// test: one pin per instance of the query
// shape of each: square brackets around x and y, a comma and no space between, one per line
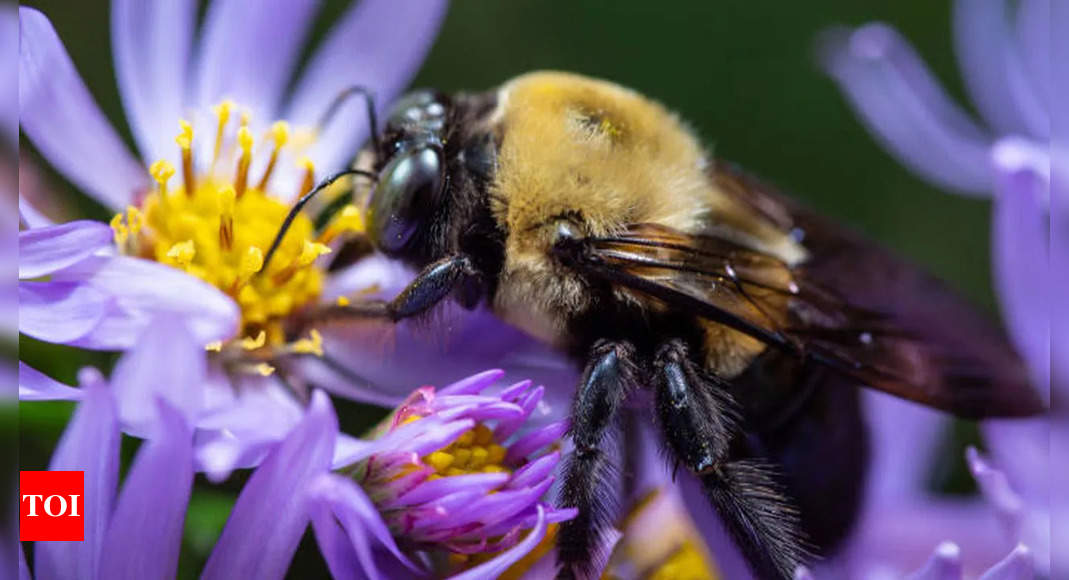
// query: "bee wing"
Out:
[852,307]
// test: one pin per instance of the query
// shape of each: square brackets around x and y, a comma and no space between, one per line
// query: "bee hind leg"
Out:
[699,423]
[588,472]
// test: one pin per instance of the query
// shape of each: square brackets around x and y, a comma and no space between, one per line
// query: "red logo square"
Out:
[51,506]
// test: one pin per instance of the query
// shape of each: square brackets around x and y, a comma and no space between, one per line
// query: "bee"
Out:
[590,217]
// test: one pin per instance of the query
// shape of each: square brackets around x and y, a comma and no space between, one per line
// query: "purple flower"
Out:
[451,481]
[159,482]
[194,245]
[1006,63]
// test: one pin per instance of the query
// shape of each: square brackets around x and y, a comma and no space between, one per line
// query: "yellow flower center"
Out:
[220,223]
[473,452]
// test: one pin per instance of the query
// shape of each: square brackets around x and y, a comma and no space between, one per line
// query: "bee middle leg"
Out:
[700,424]
[609,375]
[432,285]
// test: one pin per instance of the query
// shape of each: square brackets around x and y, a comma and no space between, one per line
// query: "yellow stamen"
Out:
[119,231]
[222,111]
[215,346]
[162,171]
[309,176]
[342,301]
[311,345]
[251,262]
[227,198]
[264,369]
[280,132]
[349,219]
[310,252]
[182,253]
[241,180]
[134,219]
[185,142]
[254,343]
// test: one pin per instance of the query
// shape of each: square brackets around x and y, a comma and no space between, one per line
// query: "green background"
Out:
[743,73]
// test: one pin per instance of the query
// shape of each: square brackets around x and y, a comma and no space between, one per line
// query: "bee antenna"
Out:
[297,207]
[369,103]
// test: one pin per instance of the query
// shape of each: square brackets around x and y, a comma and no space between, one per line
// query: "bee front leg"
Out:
[588,471]
[699,422]
[435,283]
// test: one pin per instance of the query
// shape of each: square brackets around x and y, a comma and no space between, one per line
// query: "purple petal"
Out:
[473,384]
[1033,36]
[996,490]
[945,564]
[247,52]
[358,516]
[341,552]
[90,443]
[535,471]
[36,386]
[903,435]
[500,563]
[377,43]
[535,440]
[24,571]
[1018,565]
[271,514]
[47,249]
[58,114]
[729,560]
[141,290]
[152,505]
[1020,233]
[30,216]
[904,107]
[151,41]
[429,490]
[803,573]
[513,391]
[60,312]
[167,364]
[993,70]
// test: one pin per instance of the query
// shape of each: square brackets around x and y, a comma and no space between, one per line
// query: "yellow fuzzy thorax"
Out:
[219,224]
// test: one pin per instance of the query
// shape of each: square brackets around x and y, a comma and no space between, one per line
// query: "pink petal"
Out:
[501,562]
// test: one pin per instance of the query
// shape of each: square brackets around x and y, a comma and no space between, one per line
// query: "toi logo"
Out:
[51,506]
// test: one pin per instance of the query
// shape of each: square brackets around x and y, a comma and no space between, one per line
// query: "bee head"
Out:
[412,171]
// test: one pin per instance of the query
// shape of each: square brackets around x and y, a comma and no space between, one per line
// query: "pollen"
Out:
[217,224]
[181,254]
[475,451]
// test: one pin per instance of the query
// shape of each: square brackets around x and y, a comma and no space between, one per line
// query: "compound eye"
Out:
[408,191]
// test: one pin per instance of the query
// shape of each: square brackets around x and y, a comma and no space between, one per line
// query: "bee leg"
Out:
[588,470]
[435,283]
[699,422]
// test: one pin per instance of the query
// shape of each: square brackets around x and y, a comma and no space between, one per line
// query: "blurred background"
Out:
[744,74]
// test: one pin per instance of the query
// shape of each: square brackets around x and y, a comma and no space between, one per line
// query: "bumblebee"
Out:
[590,217]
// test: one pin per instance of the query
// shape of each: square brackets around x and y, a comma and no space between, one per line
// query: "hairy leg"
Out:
[698,420]
[609,376]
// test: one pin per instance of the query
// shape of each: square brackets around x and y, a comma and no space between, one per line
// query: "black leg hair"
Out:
[698,420]
[430,287]
[609,376]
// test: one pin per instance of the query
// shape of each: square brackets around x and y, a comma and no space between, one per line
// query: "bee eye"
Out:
[407,193]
